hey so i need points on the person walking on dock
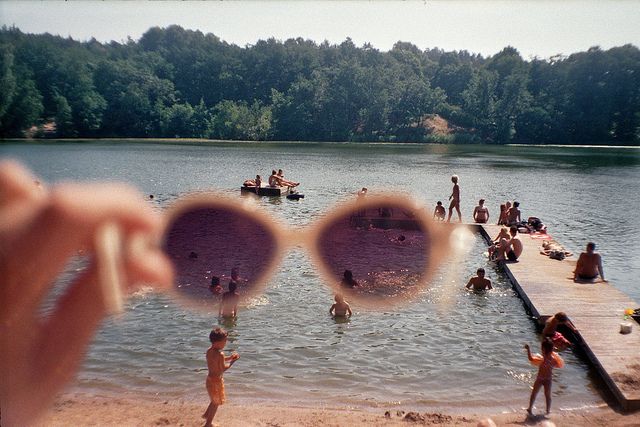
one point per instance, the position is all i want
(455, 199)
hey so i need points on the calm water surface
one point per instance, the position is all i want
(447, 351)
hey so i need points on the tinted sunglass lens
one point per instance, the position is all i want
(377, 253)
(214, 247)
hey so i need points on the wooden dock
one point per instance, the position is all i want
(596, 309)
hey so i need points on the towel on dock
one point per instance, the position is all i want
(539, 235)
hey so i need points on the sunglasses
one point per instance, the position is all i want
(377, 251)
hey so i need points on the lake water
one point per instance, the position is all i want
(449, 350)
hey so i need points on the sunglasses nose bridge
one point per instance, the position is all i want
(295, 237)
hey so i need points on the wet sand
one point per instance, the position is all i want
(72, 410)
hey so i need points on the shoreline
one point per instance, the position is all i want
(233, 141)
(73, 409)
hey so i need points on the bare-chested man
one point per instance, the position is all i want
(589, 265)
(479, 283)
(510, 249)
(513, 214)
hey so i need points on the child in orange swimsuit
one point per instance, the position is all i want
(217, 364)
(545, 363)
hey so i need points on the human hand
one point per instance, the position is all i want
(40, 230)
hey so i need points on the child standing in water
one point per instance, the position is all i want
(229, 302)
(455, 199)
(217, 364)
(546, 363)
(341, 308)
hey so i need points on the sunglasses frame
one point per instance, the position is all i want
(309, 237)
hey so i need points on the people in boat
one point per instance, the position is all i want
(341, 308)
(550, 330)
(439, 212)
(502, 219)
(479, 282)
(513, 214)
(229, 302)
(481, 213)
(348, 280)
(455, 199)
(285, 182)
(258, 182)
(510, 249)
(589, 265)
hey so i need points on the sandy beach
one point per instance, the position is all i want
(70, 410)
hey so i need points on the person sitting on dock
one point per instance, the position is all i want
(510, 249)
(513, 214)
(274, 180)
(589, 265)
(439, 212)
(481, 213)
(550, 330)
(503, 234)
(285, 182)
(502, 219)
(479, 282)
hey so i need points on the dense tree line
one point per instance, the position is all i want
(180, 83)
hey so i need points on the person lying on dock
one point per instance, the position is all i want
(589, 265)
(550, 330)
(253, 182)
(479, 283)
(341, 308)
(510, 249)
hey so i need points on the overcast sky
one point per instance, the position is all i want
(540, 28)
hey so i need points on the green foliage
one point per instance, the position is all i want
(175, 82)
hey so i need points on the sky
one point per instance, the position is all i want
(537, 28)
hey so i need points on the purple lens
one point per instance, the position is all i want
(379, 252)
(212, 247)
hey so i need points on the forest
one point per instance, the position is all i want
(178, 83)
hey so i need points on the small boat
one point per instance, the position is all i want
(268, 191)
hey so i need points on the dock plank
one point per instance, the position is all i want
(596, 309)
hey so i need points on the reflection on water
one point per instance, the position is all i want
(450, 348)
(379, 252)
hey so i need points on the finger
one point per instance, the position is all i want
(66, 224)
(67, 332)
(147, 264)
(17, 183)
